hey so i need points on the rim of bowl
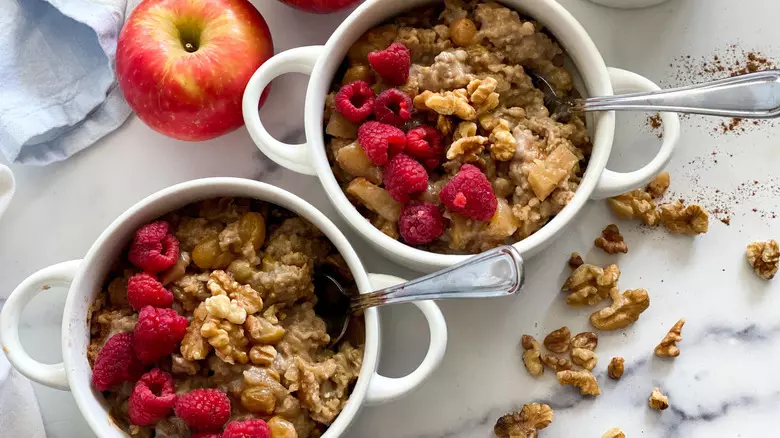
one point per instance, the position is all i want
(596, 82)
(88, 399)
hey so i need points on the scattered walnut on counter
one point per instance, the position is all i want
(584, 358)
(556, 363)
(615, 432)
(635, 204)
(611, 241)
(625, 310)
(668, 346)
(763, 257)
(558, 340)
(525, 423)
(681, 219)
(575, 260)
(587, 340)
(582, 379)
(657, 187)
(616, 367)
(532, 356)
(658, 400)
(589, 284)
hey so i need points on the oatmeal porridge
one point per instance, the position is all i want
(438, 136)
(207, 324)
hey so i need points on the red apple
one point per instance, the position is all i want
(320, 6)
(183, 64)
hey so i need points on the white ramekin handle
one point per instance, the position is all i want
(52, 375)
(295, 157)
(383, 389)
(614, 183)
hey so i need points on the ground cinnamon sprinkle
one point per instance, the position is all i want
(655, 123)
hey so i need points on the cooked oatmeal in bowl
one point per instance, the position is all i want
(220, 295)
(438, 136)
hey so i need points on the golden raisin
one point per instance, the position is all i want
(358, 72)
(208, 255)
(251, 228)
(241, 269)
(281, 428)
(259, 400)
(463, 32)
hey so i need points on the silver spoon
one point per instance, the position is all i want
(752, 96)
(494, 273)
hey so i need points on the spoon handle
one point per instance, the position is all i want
(494, 273)
(753, 95)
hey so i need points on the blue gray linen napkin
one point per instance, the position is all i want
(58, 92)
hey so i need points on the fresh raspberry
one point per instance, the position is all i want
(469, 193)
(204, 409)
(355, 101)
(247, 429)
(393, 107)
(153, 249)
(116, 362)
(143, 289)
(392, 64)
(152, 399)
(380, 141)
(157, 333)
(404, 176)
(424, 143)
(420, 223)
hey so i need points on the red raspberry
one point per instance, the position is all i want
(143, 289)
(157, 333)
(354, 101)
(152, 399)
(392, 64)
(469, 193)
(153, 249)
(404, 176)
(204, 409)
(424, 143)
(393, 107)
(116, 362)
(247, 429)
(420, 223)
(380, 141)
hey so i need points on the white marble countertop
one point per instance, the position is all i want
(721, 385)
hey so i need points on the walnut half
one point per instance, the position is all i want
(582, 379)
(587, 340)
(616, 367)
(611, 241)
(532, 356)
(763, 257)
(624, 311)
(556, 363)
(615, 432)
(584, 358)
(525, 423)
(681, 219)
(558, 340)
(589, 284)
(657, 400)
(635, 204)
(668, 346)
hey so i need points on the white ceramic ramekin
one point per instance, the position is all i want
(321, 62)
(85, 278)
(628, 4)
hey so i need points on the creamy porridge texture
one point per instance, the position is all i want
(463, 97)
(248, 329)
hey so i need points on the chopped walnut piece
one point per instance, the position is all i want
(262, 355)
(447, 103)
(467, 148)
(261, 330)
(657, 400)
(575, 260)
(657, 187)
(668, 346)
(611, 241)
(525, 423)
(222, 307)
(583, 379)
(590, 284)
(222, 283)
(615, 432)
(194, 346)
(375, 198)
(681, 219)
(482, 94)
(616, 367)
(625, 310)
(587, 340)
(584, 358)
(532, 356)
(558, 340)
(464, 129)
(503, 143)
(227, 339)
(763, 257)
(556, 363)
(635, 204)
